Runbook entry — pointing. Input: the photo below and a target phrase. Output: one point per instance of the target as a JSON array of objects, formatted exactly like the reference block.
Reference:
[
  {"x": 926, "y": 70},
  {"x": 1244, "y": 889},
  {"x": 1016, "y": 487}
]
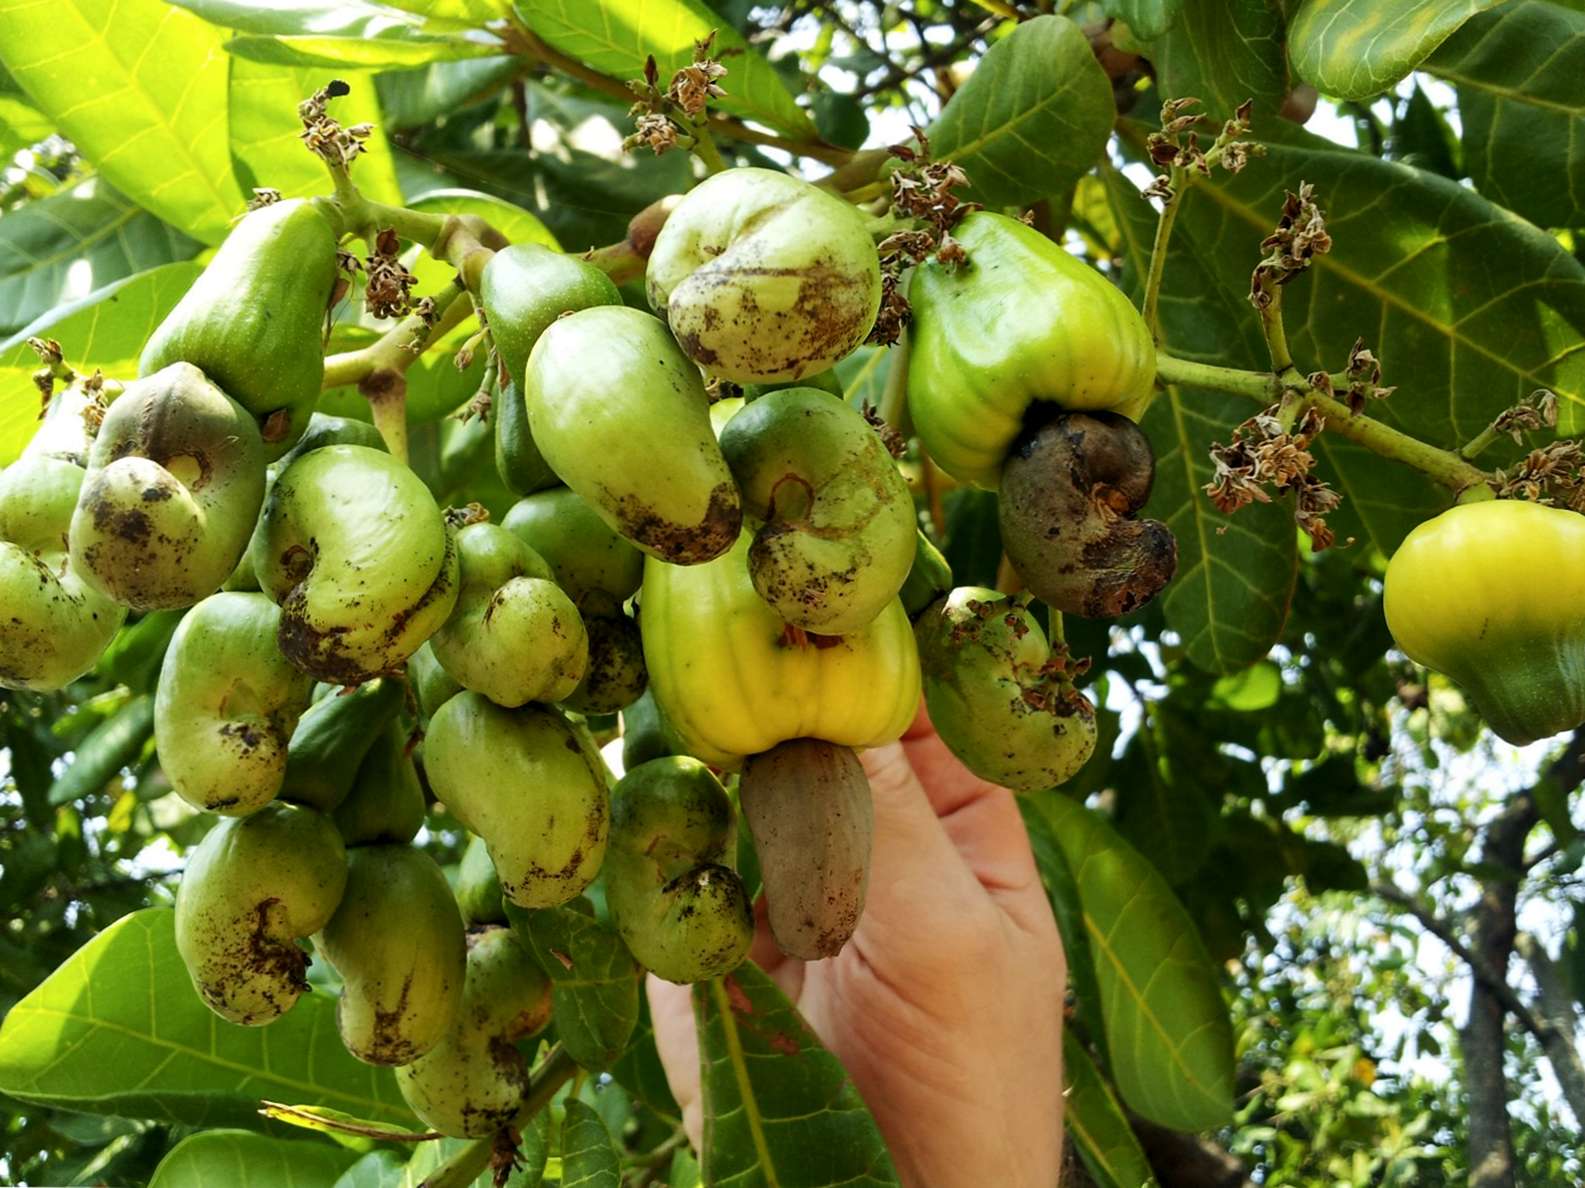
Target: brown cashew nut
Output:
[{"x": 1069, "y": 492}]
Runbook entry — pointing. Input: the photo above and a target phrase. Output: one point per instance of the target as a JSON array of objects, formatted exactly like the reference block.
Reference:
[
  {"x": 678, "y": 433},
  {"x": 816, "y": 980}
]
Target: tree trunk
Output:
[
  {"x": 1555, "y": 1005},
  {"x": 1186, "y": 1160}
]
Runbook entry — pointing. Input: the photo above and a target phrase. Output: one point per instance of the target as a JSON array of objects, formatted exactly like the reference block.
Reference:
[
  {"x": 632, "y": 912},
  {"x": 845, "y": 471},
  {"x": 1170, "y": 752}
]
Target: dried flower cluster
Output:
[
  {"x": 1264, "y": 453},
  {"x": 1553, "y": 474},
  {"x": 324, "y": 136},
  {"x": 50, "y": 354},
  {"x": 263, "y": 196},
  {"x": 388, "y": 293},
  {"x": 663, "y": 118},
  {"x": 1169, "y": 149},
  {"x": 1300, "y": 236},
  {"x": 1536, "y": 411}
]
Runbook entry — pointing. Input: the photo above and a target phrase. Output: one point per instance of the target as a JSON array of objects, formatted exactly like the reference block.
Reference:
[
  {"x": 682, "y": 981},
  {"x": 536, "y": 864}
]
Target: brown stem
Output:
[
  {"x": 1556, "y": 1004},
  {"x": 1187, "y": 1160}
]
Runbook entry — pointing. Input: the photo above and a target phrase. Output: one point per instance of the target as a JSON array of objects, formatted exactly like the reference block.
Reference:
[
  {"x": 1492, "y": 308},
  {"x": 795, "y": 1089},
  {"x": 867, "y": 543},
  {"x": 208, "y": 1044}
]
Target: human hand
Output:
[{"x": 946, "y": 1005}]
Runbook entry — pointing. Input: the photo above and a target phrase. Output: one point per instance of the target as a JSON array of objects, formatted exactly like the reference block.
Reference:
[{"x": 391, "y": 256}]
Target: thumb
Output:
[{"x": 677, "y": 1041}]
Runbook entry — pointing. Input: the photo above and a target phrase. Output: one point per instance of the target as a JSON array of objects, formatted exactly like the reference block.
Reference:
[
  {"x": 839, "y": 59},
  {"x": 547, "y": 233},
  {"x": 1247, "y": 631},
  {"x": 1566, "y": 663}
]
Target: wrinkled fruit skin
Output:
[
  {"x": 1070, "y": 491},
  {"x": 254, "y": 887},
  {"x": 1493, "y": 595},
  {"x": 679, "y": 905},
  {"x": 386, "y": 805},
  {"x": 227, "y": 704},
  {"x": 995, "y": 695},
  {"x": 808, "y": 806},
  {"x": 733, "y": 680},
  {"x": 837, "y": 525},
  {"x": 472, "y": 1082},
  {"x": 587, "y": 556},
  {"x": 526, "y": 287},
  {"x": 55, "y": 624},
  {"x": 1023, "y": 321},
  {"x": 622, "y": 416},
  {"x": 360, "y": 559},
  {"x": 398, "y": 943},
  {"x": 514, "y": 636},
  {"x": 764, "y": 277},
  {"x": 175, "y": 479},
  {"x": 332, "y": 739},
  {"x": 252, "y": 320},
  {"x": 528, "y": 784},
  {"x": 616, "y": 677}
]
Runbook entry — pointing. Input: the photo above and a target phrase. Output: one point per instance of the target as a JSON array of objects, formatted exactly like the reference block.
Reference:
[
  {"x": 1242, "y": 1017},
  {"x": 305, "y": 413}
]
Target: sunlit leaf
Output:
[
  {"x": 242, "y": 1159},
  {"x": 1094, "y": 1117},
  {"x": 1223, "y": 52},
  {"x": 1356, "y": 49},
  {"x": 588, "y": 1157}
]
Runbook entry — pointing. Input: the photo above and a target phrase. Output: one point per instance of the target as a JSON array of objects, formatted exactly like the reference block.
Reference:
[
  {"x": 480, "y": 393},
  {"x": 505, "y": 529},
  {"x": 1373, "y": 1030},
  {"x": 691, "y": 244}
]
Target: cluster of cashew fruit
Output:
[{"x": 745, "y": 582}]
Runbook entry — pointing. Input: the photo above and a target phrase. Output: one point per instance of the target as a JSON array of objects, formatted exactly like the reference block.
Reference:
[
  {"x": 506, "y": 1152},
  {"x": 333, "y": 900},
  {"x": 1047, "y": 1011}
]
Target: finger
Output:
[
  {"x": 787, "y": 972},
  {"x": 677, "y": 1041}
]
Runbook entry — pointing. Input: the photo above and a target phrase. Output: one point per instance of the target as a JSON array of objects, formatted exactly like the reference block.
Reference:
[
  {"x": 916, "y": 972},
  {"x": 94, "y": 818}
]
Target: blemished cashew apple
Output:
[
  {"x": 528, "y": 784},
  {"x": 733, "y": 679},
  {"x": 1492, "y": 594},
  {"x": 175, "y": 479},
  {"x": 253, "y": 321},
  {"x": 56, "y": 624},
  {"x": 359, "y": 557},
  {"x": 669, "y": 882},
  {"x": 616, "y": 676},
  {"x": 622, "y": 417},
  {"x": 836, "y": 524},
  {"x": 586, "y": 554},
  {"x": 227, "y": 704},
  {"x": 472, "y": 1083},
  {"x": 996, "y": 694},
  {"x": 764, "y": 277},
  {"x": 514, "y": 635},
  {"x": 252, "y": 889},
  {"x": 398, "y": 943}
]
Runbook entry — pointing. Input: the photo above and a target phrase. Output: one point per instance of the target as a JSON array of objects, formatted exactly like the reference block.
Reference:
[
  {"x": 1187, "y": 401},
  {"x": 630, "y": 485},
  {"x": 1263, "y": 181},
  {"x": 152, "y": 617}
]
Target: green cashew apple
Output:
[
  {"x": 472, "y": 1083},
  {"x": 253, "y": 888},
  {"x": 764, "y": 277},
  {"x": 998, "y": 696},
  {"x": 530, "y": 785},
  {"x": 616, "y": 675},
  {"x": 734, "y": 679},
  {"x": 522, "y": 467},
  {"x": 837, "y": 524},
  {"x": 514, "y": 635},
  {"x": 928, "y": 578},
  {"x": 56, "y": 624},
  {"x": 1490, "y": 594},
  {"x": 398, "y": 943},
  {"x": 526, "y": 287},
  {"x": 64, "y": 432},
  {"x": 386, "y": 803},
  {"x": 432, "y": 685},
  {"x": 1021, "y": 321},
  {"x": 622, "y": 416},
  {"x": 175, "y": 480},
  {"x": 680, "y": 907},
  {"x": 333, "y": 738},
  {"x": 253, "y": 321},
  {"x": 646, "y": 734},
  {"x": 586, "y": 555},
  {"x": 227, "y": 704},
  {"x": 360, "y": 559},
  {"x": 478, "y": 887}
]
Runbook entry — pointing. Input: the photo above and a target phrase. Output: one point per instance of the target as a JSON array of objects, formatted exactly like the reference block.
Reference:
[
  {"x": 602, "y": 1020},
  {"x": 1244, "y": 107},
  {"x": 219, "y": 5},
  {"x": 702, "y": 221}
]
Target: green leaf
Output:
[
  {"x": 616, "y": 36},
  {"x": 1356, "y": 49},
  {"x": 242, "y": 1159},
  {"x": 1167, "y": 1027},
  {"x": 640, "y": 1071},
  {"x": 594, "y": 980},
  {"x": 1518, "y": 72},
  {"x": 266, "y": 133},
  {"x": 1223, "y": 52},
  {"x": 1167, "y": 783},
  {"x": 409, "y": 98},
  {"x": 1032, "y": 118},
  {"x": 114, "y": 744},
  {"x": 1106, "y": 1143},
  {"x": 378, "y": 53},
  {"x": 1057, "y": 878},
  {"x": 141, "y": 92},
  {"x": 106, "y": 329},
  {"x": 1144, "y": 18},
  {"x": 118, "y": 1029},
  {"x": 74, "y": 241},
  {"x": 469, "y": 12},
  {"x": 778, "y": 1108},
  {"x": 21, "y": 125},
  {"x": 588, "y": 1157}
]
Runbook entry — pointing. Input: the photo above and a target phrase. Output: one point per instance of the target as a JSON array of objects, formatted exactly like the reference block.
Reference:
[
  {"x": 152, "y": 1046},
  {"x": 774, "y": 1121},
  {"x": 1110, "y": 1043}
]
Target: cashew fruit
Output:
[
  {"x": 646, "y": 734},
  {"x": 837, "y": 525},
  {"x": 514, "y": 635},
  {"x": 622, "y": 416},
  {"x": 64, "y": 432},
  {"x": 526, "y": 287},
  {"x": 530, "y": 785},
  {"x": 733, "y": 679},
  {"x": 764, "y": 277},
  {"x": 1021, "y": 321},
  {"x": 252, "y": 889},
  {"x": 55, "y": 623},
  {"x": 586, "y": 555},
  {"x": 478, "y": 887},
  {"x": 432, "y": 685},
  {"x": 360, "y": 559},
  {"x": 332, "y": 739},
  {"x": 1489, "y": 594},
  {"x": 929, "y": 577},
  {"x": 253, "y": 320},
  {"x": 997, "y": 696},
  {"x": 386, "y": 803},
  {"x": 1070, "y": 495},
  {"x": 471, "y": 1084},
  {"x": 175, "y": 479},
  {"x": 679, "y": 905},
  {"x": 616, "y": 675},
  {"x": 522, "y": 467},
  {"x": 227, "y": 704},
  {"x": 398, "y": 943},
  {"x": 807, "y": 803}
]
